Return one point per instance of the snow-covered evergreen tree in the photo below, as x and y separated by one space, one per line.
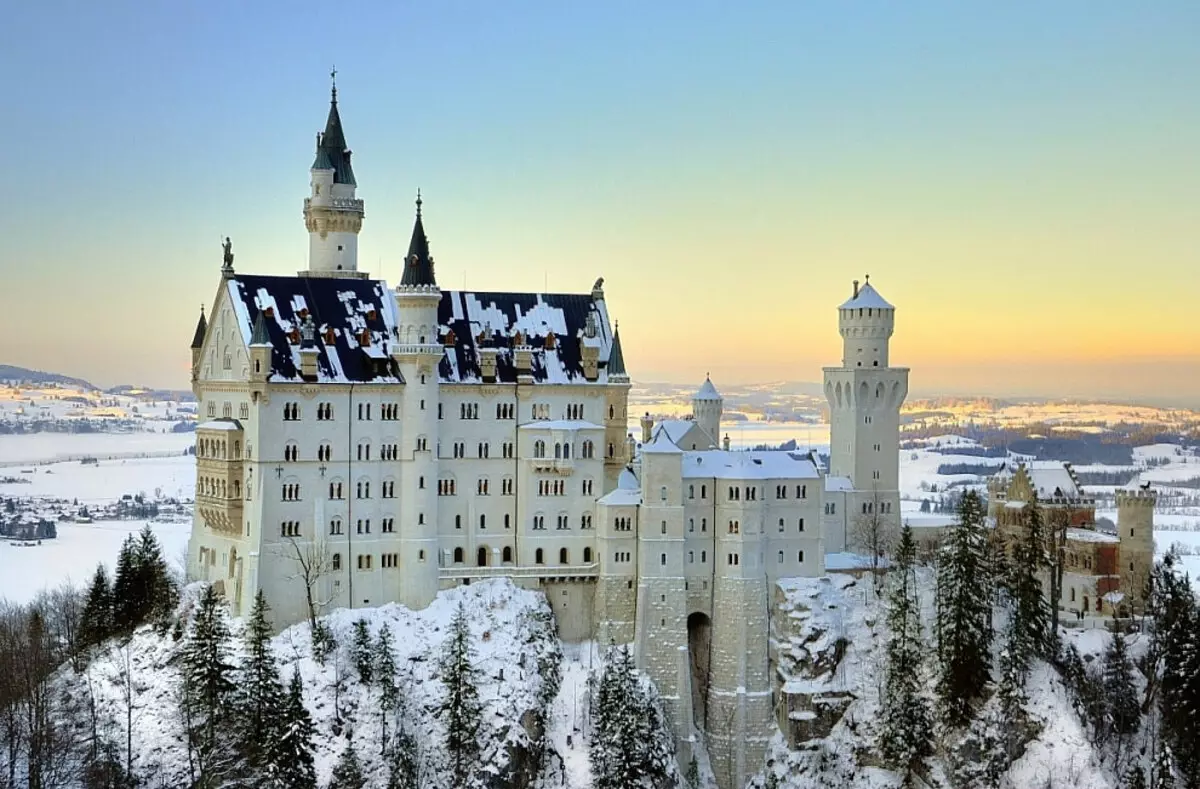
461 711
260 699
963 615
209 692
1135 778
906 732
403 760
1162 776
126 592
1120 696
96 622
360 651
1175 662
630 747
291 756
348 773
142 590
1029 623
383 659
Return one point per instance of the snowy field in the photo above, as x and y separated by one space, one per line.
73 555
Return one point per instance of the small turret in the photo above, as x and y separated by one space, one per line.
707 408
260 350
866 322
333 214
647 427
198 342
308 349
616 359
418 264
1135 529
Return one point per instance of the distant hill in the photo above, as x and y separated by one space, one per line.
10 372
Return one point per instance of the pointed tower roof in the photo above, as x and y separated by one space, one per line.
707 391
201 330
332 153
259 335
866 297
616 360
418 265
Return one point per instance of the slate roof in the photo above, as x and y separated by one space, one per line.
616 360
332 153
201 330
355 322
467 319
418 265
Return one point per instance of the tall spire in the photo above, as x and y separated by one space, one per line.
259 334
332 153
201 330
616 360
418 265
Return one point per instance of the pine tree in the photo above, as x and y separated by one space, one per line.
963 615
384 670
1175 661
347 773
461 710
1030 620
907 727
1120 695
291 756
260 699
631 745
1162 776
403 770
96 622
126 589
360 651
209 691
159 589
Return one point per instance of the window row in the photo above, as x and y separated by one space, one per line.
218 489
212 449
868 507
506 556
781 491
563 451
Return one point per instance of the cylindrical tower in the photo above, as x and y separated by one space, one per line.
332 213
866 322
707 406
418 354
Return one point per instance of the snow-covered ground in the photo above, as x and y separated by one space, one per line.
510 635
31 448
72 557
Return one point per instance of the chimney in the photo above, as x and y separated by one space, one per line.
647 428
487 364
523 359
856 289
725 443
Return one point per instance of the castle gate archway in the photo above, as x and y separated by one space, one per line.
699 648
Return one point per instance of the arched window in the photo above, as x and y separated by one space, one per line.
587 555
507 555
539 449
458 555
557 451
337 561
562 556
538 557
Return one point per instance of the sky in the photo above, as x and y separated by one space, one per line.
1022 180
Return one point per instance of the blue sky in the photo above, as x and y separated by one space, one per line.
1034 164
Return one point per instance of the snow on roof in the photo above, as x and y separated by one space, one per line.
220 424
762 464
1052 478
661 445
479 319
675 429
628 480
561 424
866 298
838 484
707 391
1088 535
622 497
355 320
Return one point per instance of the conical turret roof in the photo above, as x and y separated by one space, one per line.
259 335
332 153
201 331
418 265
616 360
707 391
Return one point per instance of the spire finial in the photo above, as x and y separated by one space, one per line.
333 81
868 279
418 202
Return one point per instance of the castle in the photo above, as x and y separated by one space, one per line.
1104 571
361 444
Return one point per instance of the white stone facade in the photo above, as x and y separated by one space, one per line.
363 445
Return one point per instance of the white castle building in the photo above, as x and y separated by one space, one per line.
363 444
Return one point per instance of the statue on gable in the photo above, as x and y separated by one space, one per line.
228 249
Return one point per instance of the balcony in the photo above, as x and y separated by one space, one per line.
459 572
338 203
563 466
